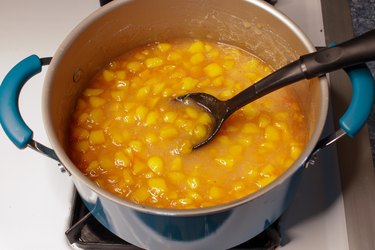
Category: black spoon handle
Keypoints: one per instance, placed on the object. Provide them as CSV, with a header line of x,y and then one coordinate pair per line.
x,y
357,50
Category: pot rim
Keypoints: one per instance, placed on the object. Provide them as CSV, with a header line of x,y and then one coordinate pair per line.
x,y
78,175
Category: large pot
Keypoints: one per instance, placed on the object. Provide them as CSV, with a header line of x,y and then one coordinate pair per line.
x,y
122,25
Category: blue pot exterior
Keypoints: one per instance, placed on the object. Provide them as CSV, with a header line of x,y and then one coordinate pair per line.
x,y
218,230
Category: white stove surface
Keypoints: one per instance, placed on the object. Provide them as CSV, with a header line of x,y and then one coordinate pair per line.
x,y
36,198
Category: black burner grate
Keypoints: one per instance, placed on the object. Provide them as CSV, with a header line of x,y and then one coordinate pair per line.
x,y
87,233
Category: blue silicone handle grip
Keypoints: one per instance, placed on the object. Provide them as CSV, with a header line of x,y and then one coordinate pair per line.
x,y
10,118
363,92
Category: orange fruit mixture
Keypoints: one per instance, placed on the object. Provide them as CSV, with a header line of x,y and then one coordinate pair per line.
x,y
130,137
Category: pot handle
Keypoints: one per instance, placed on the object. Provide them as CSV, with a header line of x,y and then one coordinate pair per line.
x,y
10,118
360,107
363,92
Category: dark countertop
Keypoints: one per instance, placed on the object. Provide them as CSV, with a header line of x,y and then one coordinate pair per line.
x,y
363,18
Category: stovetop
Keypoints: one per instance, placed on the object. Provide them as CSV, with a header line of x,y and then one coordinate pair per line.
x,y
37,198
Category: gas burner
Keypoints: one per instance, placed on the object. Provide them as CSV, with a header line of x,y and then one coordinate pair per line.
x,y
87,233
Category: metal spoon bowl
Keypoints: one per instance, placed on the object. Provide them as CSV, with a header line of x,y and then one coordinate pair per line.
x,y
357,50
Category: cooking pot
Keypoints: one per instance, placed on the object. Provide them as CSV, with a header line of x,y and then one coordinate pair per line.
x,y
122,25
